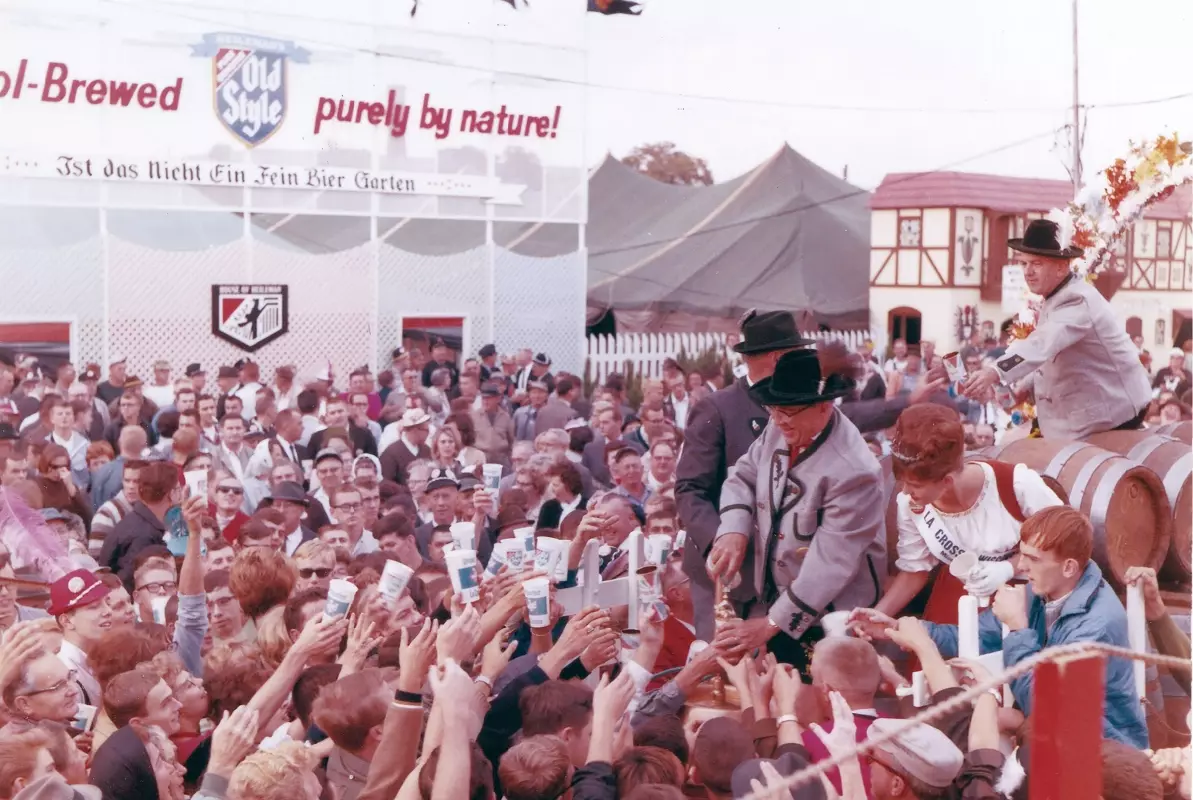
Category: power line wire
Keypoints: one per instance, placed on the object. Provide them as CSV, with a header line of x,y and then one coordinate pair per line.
x,y
662,92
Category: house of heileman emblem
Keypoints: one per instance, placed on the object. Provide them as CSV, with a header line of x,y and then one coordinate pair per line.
x,y
249,316
248,83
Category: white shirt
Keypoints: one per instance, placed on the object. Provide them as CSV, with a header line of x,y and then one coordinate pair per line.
x,y
310,424
365,544
681,410
293,540
894,365
76,447
389,434
161,396
76,659
285,400
248,396
987,528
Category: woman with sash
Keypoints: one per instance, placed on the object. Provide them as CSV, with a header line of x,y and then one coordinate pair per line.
x,y
947,506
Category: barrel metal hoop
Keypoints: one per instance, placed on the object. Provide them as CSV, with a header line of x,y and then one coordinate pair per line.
x,y
1144,448
1081,483
1175,478
1100,505
1062,457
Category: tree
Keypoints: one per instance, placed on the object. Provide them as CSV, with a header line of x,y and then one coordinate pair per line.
x,y
663,162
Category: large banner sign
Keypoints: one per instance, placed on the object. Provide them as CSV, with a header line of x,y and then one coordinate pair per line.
x,y
367,101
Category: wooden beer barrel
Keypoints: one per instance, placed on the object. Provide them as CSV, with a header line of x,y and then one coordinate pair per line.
x,y
1172,460
1177,430
1125,501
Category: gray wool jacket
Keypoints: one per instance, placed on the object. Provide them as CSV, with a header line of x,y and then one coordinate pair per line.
x,y
817,524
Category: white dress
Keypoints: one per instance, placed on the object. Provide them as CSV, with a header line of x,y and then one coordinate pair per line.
x,y
987,528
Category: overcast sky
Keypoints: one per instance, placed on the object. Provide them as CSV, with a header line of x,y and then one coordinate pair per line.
x,y
916,56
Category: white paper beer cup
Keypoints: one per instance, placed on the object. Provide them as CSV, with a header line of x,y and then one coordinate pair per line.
x,y
158,606
492,477
538,601
496,560
340,594
526,537
196,482
464,535
658,548
550,558
514,552
394,581
461,568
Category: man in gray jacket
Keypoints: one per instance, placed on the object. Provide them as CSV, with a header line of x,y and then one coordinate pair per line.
x,y
1084,369
720,430
809,496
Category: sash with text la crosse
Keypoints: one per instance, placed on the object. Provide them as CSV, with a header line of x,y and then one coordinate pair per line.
x,y
937,536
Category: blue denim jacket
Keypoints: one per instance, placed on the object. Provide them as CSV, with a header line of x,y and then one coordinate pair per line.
x,y
1092,613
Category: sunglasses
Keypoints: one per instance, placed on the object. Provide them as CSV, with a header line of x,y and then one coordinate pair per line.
x,y
229,490
314,572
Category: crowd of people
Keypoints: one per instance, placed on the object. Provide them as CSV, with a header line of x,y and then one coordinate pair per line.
x,y
175,556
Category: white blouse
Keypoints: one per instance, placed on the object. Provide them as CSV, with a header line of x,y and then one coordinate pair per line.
x,y
986,528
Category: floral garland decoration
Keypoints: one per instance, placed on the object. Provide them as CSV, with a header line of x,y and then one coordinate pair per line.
x,y
1105,210
1102,214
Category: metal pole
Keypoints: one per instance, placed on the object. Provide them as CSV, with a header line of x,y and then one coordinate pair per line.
x,y
1076,112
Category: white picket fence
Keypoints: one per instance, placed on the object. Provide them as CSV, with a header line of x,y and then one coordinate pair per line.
x,y
647,351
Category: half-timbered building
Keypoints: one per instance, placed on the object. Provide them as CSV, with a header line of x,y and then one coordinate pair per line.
x,y
938,252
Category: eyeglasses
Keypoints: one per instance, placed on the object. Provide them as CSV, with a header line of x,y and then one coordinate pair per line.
x,y
57,687
60,466
314,572
229,490
161,587
349,507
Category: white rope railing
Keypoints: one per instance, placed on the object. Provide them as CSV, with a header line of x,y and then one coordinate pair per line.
x,y
1060,653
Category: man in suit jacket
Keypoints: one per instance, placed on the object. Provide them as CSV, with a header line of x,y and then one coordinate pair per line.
x,y
558,410
608,420
337,416
1086,372
810,496
287,429
539,369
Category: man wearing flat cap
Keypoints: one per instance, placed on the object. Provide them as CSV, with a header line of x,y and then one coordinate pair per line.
x,y
1083,368
809,498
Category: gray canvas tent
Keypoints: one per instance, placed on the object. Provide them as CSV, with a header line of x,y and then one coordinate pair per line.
x,y
786,235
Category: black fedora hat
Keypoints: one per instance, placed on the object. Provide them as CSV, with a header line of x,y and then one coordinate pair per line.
x,y
767,331
1042,238
797,382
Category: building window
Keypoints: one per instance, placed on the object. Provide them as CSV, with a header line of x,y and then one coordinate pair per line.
x,y
1164,243
909,232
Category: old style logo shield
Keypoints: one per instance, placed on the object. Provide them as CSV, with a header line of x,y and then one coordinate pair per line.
x,y
249,75
249,316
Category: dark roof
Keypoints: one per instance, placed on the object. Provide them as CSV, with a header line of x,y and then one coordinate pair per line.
x,y
995,192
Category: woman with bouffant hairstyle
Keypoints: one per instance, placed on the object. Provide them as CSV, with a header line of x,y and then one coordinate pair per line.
x,y
948,506
261,579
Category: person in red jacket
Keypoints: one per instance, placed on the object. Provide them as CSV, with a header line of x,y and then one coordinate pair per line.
x,y
678,629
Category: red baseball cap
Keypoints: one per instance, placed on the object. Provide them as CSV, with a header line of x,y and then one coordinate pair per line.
x,y
75,590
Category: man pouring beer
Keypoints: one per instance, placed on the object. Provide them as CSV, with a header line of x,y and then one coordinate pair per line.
x,y
811,494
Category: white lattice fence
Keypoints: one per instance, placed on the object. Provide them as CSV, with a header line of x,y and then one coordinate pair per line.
x,y
647,351
419,285
540,304
161,306
57,283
